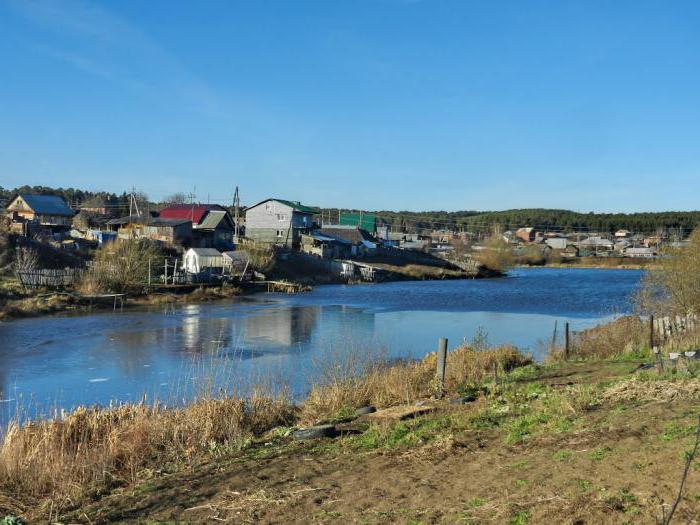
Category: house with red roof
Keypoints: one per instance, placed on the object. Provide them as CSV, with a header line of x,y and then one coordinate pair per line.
x,y
212,225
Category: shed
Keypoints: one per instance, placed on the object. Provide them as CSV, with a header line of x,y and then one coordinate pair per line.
x,y
197,260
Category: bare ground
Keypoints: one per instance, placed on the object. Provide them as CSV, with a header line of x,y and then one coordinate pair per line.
x,y
618,463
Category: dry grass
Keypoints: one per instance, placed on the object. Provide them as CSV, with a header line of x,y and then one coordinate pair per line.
x,y
636,389
58,462
93,446
385,384
625,335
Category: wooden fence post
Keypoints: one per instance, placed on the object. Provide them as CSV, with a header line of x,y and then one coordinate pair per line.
x,y
566,340
554,338
441,364
651,331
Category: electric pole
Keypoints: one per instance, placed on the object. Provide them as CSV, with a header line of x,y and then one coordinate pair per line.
x,y
236,215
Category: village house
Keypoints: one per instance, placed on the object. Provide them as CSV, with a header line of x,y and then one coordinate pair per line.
x,y
526,234
360,241
315,243
622,234
640,252
29,211
280,222
174,232
596,245
557,243
212,225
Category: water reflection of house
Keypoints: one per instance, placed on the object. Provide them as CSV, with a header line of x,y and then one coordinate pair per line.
x,y
283,326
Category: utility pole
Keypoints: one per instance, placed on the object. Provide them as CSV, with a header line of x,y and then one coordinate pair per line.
x,y
191,196
236,215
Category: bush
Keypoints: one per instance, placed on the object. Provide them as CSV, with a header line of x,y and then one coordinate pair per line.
x,y
121,267
673,289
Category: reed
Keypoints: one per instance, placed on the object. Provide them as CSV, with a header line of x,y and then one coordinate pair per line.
x,y
91,448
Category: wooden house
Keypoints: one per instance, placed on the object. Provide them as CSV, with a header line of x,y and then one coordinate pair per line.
x,y
212,225
50,211
280,222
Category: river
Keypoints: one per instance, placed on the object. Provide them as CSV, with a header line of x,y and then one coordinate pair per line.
x,y
58,362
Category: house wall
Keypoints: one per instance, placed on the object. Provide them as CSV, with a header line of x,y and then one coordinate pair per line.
x,y
275,223
20,209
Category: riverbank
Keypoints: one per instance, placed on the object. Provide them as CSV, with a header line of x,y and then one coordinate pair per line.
x,y
603,263
591,442
21,304
16,302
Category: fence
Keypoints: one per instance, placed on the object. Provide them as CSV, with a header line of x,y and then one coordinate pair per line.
x,y
666,327
49,278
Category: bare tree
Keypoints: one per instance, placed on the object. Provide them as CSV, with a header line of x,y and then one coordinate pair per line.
x,y
26,260
176,198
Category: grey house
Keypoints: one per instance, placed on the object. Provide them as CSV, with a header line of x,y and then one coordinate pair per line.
x,y
278,221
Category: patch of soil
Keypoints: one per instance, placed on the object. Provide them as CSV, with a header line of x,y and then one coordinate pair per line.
x,y
614,468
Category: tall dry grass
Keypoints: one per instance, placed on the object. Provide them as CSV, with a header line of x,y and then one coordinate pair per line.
x,y
384,384
624,335
57,462
94,446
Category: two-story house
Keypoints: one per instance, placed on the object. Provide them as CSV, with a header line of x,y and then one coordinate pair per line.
x,y
280,222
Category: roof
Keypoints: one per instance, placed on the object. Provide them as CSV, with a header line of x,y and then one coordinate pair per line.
x,y
366,221
125,220
351,235
325,238
160,221
213,218
295,205
193,212
206,252
47,204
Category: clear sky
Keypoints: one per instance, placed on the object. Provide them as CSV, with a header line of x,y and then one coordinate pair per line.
x,y
366,104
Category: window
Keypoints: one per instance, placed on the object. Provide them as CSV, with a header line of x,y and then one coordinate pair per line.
x,y
281,217
280,233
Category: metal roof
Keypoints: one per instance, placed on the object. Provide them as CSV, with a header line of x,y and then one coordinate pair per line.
x,y
295,205
193,212
160,221
207,252
212,219
47,204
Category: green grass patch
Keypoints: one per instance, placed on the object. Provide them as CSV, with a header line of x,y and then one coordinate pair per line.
x,y
520,518
475,503
675,431
600,454
409,433
563,455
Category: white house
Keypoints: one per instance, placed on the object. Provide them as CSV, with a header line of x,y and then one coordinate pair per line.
x,y
556,243
200,259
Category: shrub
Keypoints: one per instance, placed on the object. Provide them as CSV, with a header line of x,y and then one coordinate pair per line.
x,y
121,266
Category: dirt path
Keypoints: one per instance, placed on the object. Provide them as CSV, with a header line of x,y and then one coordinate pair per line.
x,y
615,468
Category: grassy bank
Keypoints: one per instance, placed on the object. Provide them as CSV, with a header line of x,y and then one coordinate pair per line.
x,y
18,303
618,263
592,439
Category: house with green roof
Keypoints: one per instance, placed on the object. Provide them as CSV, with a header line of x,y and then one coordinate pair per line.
x,y
278,221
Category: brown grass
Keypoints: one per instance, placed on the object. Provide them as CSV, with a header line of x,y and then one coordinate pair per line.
x,y
57,462
624,335
93,446
385,384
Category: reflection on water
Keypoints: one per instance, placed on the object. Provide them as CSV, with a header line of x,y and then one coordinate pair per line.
x,y
56,362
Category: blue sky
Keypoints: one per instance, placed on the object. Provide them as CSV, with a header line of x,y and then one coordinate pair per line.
x,y
367,104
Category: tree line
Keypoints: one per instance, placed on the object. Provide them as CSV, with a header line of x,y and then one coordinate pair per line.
x,y
541,219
